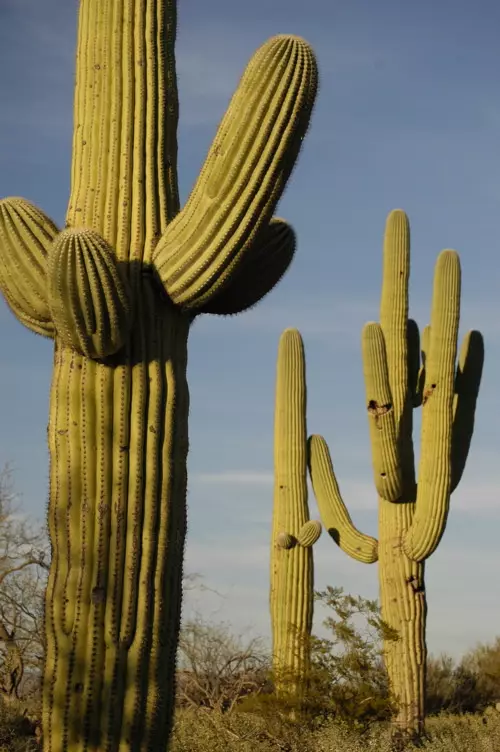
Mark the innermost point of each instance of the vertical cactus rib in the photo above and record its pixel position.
(119, 403)
(333, 511)
(291, 593)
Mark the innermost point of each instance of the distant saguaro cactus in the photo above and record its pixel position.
(293, 533)
(412, 518)
(117, 289)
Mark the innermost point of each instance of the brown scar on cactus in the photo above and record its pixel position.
(428, 392)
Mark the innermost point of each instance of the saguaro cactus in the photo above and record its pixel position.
(117, 290)
(293, 533)
(412, 518)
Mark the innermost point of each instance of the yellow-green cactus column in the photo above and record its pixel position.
(293, 533)
(411, 518)
(117, 290)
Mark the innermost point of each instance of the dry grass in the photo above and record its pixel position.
(202, 731)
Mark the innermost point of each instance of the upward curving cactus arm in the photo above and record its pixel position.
(434, 477)
(383, 429)
(244, 174)
(26, 234)
(333, 511)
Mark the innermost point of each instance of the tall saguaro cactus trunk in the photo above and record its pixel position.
(412, 517)
(293, 533)
(117, 290)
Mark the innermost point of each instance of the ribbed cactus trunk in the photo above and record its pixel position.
(118, 428)
(117, 519)
(404, 609)
(293, 533)
(117, 289)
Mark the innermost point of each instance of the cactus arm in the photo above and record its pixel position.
(261, 269)
(89, 297)
(381, 417)
(243, 176)
(434, 479)
(26, 234)
(333, 512)
(467, 383)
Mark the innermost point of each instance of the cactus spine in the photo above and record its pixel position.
(293, 534)
(412, 517)
(117, 290)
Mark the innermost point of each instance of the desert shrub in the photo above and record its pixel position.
(347, 678)
(454, 688)
(484, 662)
(215, 668)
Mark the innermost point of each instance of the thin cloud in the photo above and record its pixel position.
(233, 478)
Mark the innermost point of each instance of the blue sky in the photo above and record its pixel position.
(408, 115)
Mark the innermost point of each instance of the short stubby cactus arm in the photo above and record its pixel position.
(381, 415)
(467, 383)
(333, 511)
(244, 174)
(261, 269)
(26, 235)
(293, 534)
(89, 297)
(434, 477)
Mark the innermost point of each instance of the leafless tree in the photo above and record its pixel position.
(24, 562)
(216, 669)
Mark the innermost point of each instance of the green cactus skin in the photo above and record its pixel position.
(412, 518)
(293, 534)
(117, 290)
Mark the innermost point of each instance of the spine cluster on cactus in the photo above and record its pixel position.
(117, 290)
(412, 517)
(293, 533)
